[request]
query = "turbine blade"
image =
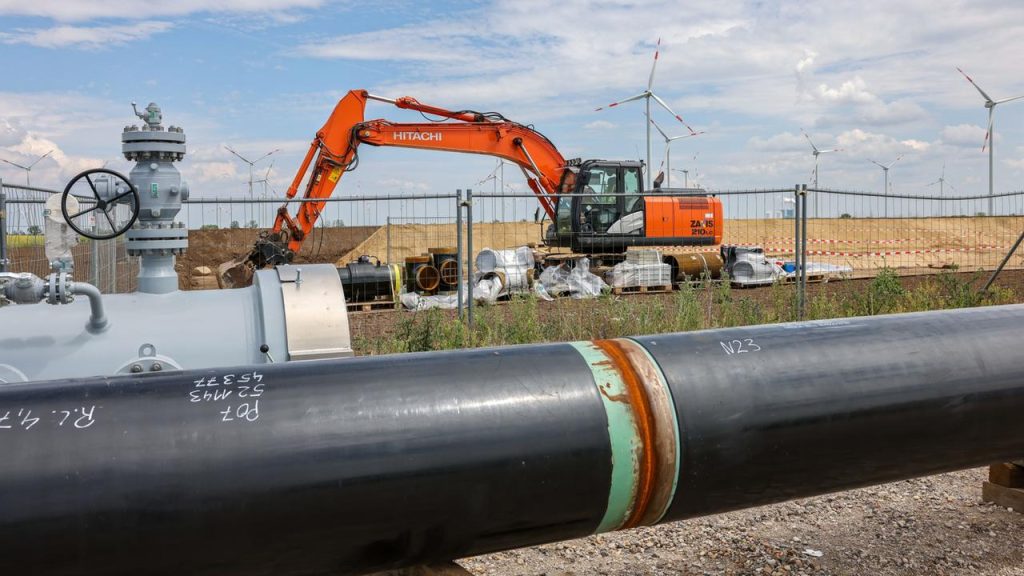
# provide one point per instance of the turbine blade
(1008, 99)
(978, 88)
(683, 136)
(879, 165)
(630, 99)
(670, 111)
(813, 147)
(657, 49)
(988, 133)
(229, 149)
(662, 132)
(898, 158)
(38, 160)
(14, 164)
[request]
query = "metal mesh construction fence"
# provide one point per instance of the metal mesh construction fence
(103, 263)
(863, 231)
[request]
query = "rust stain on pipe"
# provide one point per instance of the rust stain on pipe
(645, 450)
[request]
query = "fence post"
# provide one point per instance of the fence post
(803, 252)
(796, 249)
(458, 249)
(3, 228)
(469, 259)
(387, 236)
(995, 273)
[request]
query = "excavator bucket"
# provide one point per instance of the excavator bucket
(236, 273)
(270, 249)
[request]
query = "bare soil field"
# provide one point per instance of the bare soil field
(869, 243)
(212, 247)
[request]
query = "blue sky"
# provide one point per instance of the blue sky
(874, 78)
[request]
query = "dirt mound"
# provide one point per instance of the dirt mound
(212, 247)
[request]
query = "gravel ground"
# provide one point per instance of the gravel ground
(934, 525)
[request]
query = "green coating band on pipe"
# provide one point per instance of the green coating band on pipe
(622, 435)
(675, 426)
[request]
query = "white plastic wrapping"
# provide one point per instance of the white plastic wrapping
(627, 274)
(59, 238)
(583, 284)
(579, 282)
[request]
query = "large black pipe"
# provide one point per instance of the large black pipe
(350, 466)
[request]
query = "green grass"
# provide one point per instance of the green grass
(712, 305)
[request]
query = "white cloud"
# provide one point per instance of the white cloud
(215, 171)
(964, 135)
(866, 107)
(83, 10)
(600, 125)
(403, 186)
(85, 37)
(784, 142)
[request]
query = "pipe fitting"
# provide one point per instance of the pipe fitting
(23, 287)
(97, 317)
(27, 288)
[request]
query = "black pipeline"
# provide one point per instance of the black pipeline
(351, 466)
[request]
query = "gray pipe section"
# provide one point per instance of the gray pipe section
(97, 317)
(353, 466)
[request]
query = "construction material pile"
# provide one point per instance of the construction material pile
(641, 268)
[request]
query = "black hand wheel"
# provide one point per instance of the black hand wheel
(113, 191)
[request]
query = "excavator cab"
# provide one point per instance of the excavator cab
(602, 209)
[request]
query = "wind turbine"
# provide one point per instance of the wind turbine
(686, 176)
(647, 95)
(989, 134)
(942, 184)
(28, 169)
(266, 179)
(266, 184)
(885, 170)
(668, 148)
(816, 152)
(251, 164)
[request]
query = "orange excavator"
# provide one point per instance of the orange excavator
(597, 206)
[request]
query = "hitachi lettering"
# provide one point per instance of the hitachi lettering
(417, 136)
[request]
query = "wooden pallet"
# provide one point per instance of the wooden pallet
(1005, 486)
(659, 289)
(371, 306)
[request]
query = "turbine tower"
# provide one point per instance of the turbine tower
(816, 152)
(885, 170)
(647, 95)
(989, 134)
(942, 187)
(668, 149)
(28, 169)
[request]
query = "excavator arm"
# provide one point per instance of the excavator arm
(334, 151)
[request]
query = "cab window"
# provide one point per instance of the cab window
(631, 185)
(563, 217)
(602, 185)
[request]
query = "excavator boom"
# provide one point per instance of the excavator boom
(334, 151)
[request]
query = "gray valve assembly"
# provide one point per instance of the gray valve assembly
(294, 312)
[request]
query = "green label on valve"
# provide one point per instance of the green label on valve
(154, 190)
